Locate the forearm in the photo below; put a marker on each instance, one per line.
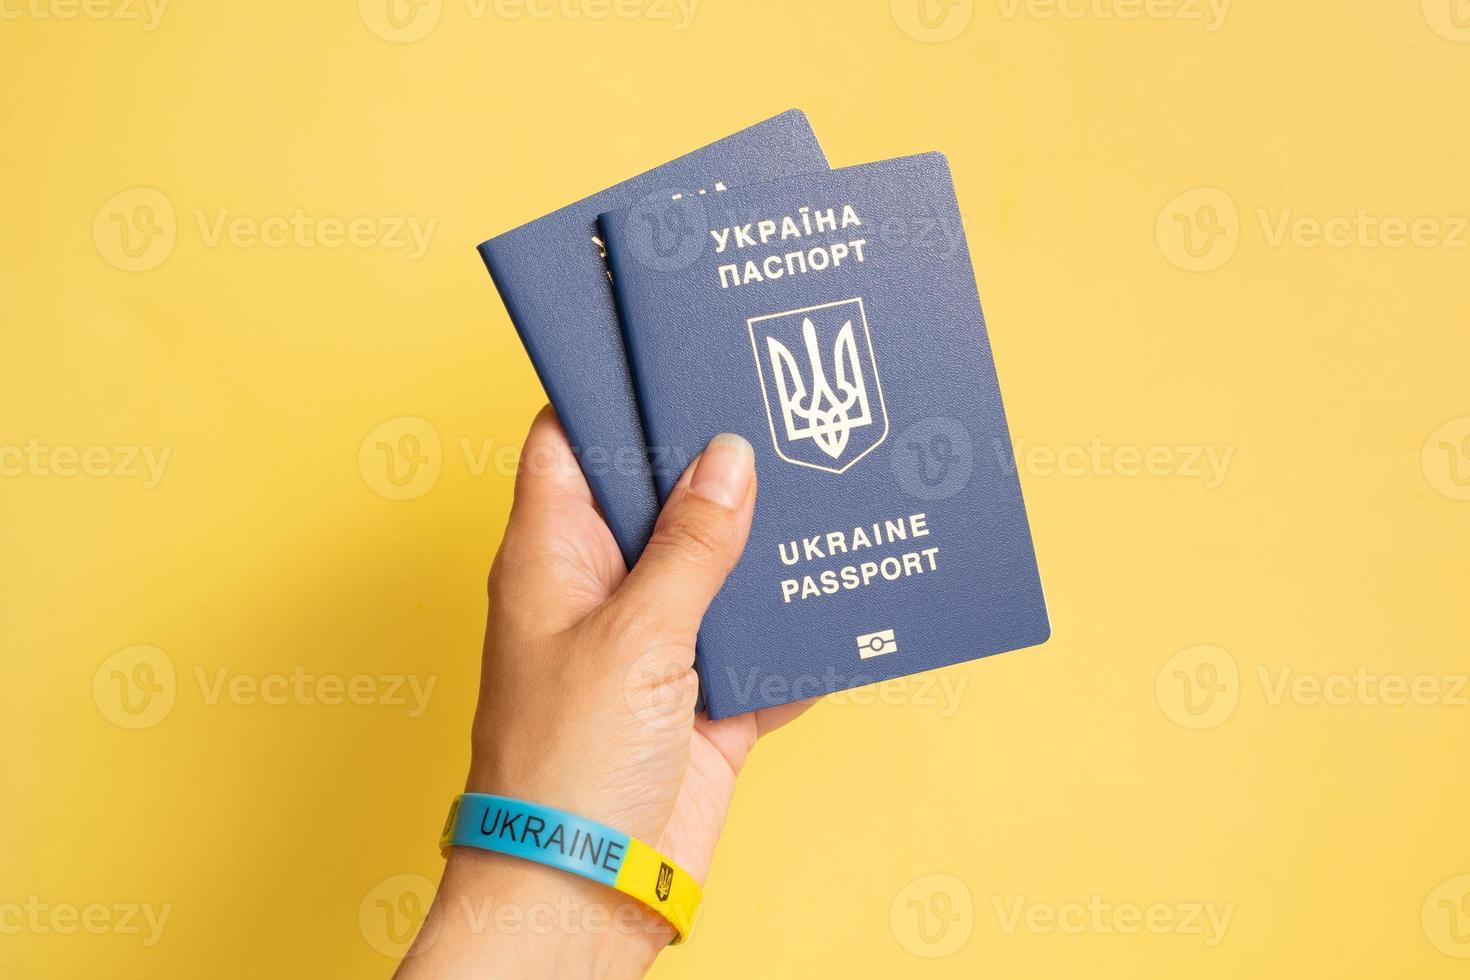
(497, 916)
(575, 715)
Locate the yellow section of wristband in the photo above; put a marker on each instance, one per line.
(660, 884)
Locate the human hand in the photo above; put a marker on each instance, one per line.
(586, 704)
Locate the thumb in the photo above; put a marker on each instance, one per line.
(698, 539)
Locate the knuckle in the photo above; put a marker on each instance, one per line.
(623, 625)
(691, 538)
(506, 570)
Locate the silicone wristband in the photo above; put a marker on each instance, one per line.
(572, 843)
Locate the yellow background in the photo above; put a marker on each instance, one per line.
(1145, 756)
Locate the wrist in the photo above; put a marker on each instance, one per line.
(532, 921)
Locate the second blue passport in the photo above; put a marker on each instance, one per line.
(553, 279)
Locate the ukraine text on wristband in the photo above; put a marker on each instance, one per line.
(572, 843)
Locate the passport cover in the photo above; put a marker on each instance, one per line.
(553, 279)
(834, 321)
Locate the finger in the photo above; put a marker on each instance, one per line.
(548, 475)
(735, 736)
(698, 539)
(557, 560)
(550, 493)
(767, 720)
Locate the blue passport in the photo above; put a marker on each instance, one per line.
(834, 321)
(553, 279)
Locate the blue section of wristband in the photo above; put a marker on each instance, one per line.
(538, 833)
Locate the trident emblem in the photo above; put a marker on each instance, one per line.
(817, 414)
(827, 417)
